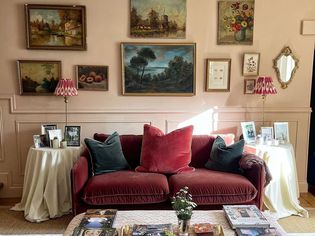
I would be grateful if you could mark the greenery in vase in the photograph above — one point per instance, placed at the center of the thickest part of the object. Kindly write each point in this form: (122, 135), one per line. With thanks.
(183, 205)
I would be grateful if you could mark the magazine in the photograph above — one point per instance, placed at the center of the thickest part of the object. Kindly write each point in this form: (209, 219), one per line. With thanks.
(152, 230)
(244, 216)
(78, 231)
(258, 231)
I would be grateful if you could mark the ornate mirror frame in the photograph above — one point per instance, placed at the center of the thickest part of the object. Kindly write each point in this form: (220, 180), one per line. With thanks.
(286, 51)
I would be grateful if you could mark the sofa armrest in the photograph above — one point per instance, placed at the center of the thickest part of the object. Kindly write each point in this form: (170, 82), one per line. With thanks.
(79, 177)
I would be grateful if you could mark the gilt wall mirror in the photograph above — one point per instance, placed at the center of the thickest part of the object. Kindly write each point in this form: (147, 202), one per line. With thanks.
(285, 65)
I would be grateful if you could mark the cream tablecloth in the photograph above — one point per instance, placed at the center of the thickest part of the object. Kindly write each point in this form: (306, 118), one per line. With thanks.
(47, 189)
(282, 193)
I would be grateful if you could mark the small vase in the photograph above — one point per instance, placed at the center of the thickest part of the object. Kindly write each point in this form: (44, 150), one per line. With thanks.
(183, 227)
(240, 35)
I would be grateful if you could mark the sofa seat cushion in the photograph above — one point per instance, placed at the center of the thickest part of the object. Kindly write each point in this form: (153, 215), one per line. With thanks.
(126, 187)
(209, 187)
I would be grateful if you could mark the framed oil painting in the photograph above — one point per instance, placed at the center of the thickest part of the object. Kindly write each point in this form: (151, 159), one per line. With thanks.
(38, 77)
(249, 131)
(249, 86)
(158, 69)
(72, 135)
(60, 27)
(158, 18)
(93, 78)
(235, 22)
(251, 64)
(218, 75)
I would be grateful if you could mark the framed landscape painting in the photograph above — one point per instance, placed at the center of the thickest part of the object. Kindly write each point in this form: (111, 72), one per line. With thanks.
(38, 77)
(235, 22)
(93, 78)
(158, 18)
(158, 69)
(60, 27)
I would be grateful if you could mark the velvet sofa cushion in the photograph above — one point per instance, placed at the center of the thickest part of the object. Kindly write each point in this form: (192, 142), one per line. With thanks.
(106, 156)
(225, 158)
(209, 187)
(126, 187)
(166, 153)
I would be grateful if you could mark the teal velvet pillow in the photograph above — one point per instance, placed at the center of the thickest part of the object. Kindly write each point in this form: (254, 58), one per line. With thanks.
(106, 156)
(225, 158)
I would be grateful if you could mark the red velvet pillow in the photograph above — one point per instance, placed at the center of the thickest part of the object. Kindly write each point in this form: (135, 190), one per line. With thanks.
(166, 153)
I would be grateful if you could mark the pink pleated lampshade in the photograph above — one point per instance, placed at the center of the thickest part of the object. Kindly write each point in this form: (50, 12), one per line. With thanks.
(264, 86)
(66, 88)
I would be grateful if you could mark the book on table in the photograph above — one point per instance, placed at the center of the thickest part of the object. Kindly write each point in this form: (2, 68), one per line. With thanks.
(245, 216)
(152, 230)
(258, 231)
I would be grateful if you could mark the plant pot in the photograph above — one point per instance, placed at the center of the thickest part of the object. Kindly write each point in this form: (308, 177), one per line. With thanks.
(183, 227)
(240, 35)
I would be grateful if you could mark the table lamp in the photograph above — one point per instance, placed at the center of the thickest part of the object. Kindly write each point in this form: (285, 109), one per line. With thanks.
(264, 86)
(66, 88)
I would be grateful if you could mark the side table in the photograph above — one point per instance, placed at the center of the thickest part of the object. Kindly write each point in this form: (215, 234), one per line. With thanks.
(282, 193)
(47, 188)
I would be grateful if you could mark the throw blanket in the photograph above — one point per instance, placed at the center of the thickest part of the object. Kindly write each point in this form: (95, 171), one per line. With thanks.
(249, 160)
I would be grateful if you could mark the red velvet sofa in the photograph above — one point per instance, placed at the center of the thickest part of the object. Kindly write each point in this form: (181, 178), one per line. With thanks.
(128, 189)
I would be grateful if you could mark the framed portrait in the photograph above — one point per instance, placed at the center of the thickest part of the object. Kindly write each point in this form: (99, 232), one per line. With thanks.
(154, 69)
(38, 77)
(251, 64)
(61, 27)
(282, 132)
(235, 22)
(38, 141)
(249, 86)
(93, 78)
(249, 131)
(266, 133)
(218, 75)
(158, 19)
(45, 134)
(72, 135)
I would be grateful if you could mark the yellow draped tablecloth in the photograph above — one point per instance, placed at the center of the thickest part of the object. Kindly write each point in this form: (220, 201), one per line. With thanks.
(282, 193)
(47, 189)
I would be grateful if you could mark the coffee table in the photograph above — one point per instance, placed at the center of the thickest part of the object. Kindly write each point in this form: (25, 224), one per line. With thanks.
(168, 216)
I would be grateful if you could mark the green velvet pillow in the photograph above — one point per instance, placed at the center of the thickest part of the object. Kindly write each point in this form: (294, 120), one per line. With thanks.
(106, 156)
(225, 158)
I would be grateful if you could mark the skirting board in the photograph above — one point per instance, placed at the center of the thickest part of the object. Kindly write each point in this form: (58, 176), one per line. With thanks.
(308, 27)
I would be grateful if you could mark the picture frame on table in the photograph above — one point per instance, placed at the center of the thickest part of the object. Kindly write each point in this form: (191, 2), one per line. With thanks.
(92, 77)
(158, 69)
(266, 133)
(45, 135)
(218, 74)
(55, 27)
(38, 77)
(72, 135)
(249, 86)
(251, 64)
(249, 131)
(282, 132)
(54, 133)
(38, 141)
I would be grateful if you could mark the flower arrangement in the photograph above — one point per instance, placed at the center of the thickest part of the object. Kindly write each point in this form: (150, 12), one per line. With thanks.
(241, 17)
(183, 205)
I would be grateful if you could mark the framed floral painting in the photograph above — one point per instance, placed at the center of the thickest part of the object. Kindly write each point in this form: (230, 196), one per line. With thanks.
(235, 22)
(249, 86)
(251, 64)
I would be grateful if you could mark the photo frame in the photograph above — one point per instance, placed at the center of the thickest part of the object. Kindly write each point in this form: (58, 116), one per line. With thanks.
(45, 134)
(282, 132)
(38, 77)
(61, 27)
(235, 22)
(170, 24)
(155, 69)
(38, 141)
(218, 75)
(249, 131)
(249, 86)
(72, 135)
(92, 77)
(54, 133)
(251, 64)
(266, 133)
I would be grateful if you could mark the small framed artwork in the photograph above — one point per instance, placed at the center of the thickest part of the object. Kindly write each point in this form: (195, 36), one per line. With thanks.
(266, 133)
(93, 78)
(72, 135)
(251, 64)
(38, 141)
(249, 131)
(235, 21)
(38, 77)
(61, 27)
(44, 131)
(218, 75)
(282, 132)
(54, 133)
(158, 69)
(249, 86)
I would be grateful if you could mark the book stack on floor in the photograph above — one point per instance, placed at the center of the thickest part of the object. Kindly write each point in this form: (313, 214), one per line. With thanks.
(97, 222)
(248, 220)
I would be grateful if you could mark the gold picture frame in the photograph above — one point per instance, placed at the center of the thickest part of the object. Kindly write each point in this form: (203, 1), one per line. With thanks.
(218, 74)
